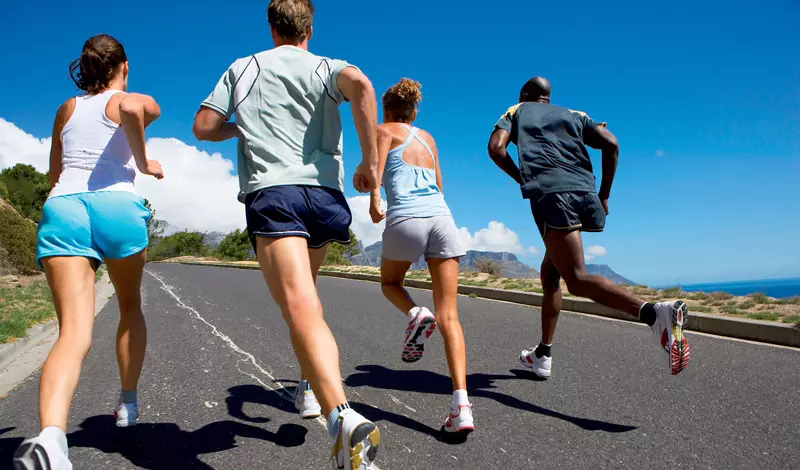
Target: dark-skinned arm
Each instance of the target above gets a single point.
(498, 145)
(599, 137)
(210, 125)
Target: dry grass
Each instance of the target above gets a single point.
(24, 302)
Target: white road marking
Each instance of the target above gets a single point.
(246, 356)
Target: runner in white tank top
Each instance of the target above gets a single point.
(92, 215)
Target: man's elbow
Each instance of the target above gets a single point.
(202, 130)
(495, 150)
(362, 87)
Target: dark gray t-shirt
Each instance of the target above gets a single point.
(549, 140)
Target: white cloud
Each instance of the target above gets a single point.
(366, 231)
(17, 146)
(659, 153)
(198, 191)
(594, 251)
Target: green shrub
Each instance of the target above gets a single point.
(760, 298)
(795, 300)
(771, 316)
(720, 295)
(699, 296)
(25, 189)
(671, 290)
(795, 319)
(18, 239)
(180, 244)
(341, 255)
(701, 308)
(235, 246)
(731, 310)
(488, 266)
(747, 304)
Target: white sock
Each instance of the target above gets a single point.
(459, 399)
(55, 436)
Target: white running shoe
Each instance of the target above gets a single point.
(668, 330)
(461, 421)
(33, 455)
(540, 366)
(362, 437)
(306, 402)
(419, 329)
(126, 414)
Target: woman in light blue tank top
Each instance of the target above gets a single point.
(419, 226)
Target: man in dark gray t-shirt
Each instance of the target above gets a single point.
(555, 173)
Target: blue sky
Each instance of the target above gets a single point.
(703, 96)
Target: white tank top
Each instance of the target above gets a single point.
(96, 155)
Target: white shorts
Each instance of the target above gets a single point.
(408, 238)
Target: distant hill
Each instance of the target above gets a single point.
(510, 265)
(213, 239)
(608, 273)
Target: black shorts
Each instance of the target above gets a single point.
(319, 214)
(568, 212)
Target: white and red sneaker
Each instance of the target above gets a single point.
(419, 329)
(668, 330)
(540, 366)
(461, 421)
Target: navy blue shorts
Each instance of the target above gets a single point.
(567, 212)
(319, 214)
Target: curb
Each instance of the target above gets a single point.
(38, 333)
(752, 330)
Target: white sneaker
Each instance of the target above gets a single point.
(362, 437)
(32, 454)
(126, 414)
(540, 366)
(306, 402)
(461, 421)
(668, 331)
(419, 329)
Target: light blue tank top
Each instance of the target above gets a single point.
(411, 191)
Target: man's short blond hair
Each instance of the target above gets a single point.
(291, 19)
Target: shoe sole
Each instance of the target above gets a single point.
(679, 352)
(541, 373)
(31, 456)
(364, 442)
(311, 414)
(414, 348)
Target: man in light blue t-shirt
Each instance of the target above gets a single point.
(286, 103)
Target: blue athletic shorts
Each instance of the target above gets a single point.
(319, 214)
(96, 225)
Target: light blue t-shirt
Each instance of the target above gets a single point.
(286, 102)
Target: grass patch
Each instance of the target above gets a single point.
(473, 296)
(790, 301)
(23, 307)
(720, 296)
(760, 298)
(671, 290)
(747, 304)
(99, 273)
(793, 319)
(701, 308)
(771, 316)
(701, 296)
(732, 310)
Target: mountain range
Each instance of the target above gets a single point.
(510, 265)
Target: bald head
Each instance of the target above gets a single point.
(536, 89)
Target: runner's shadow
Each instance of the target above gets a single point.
(243, 394)
(479, 385)
(162, 446)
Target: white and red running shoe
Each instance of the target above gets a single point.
(539, 365)
(668, 330)
(460, 422)
(419, 329)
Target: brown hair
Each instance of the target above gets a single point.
(291, 19)
(99, 61)
(402, 99)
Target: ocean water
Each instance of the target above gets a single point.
(778, 288)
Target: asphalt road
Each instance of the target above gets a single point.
(219, 368)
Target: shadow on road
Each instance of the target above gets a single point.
(162, 446)
(7, 447)
(479, 385)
